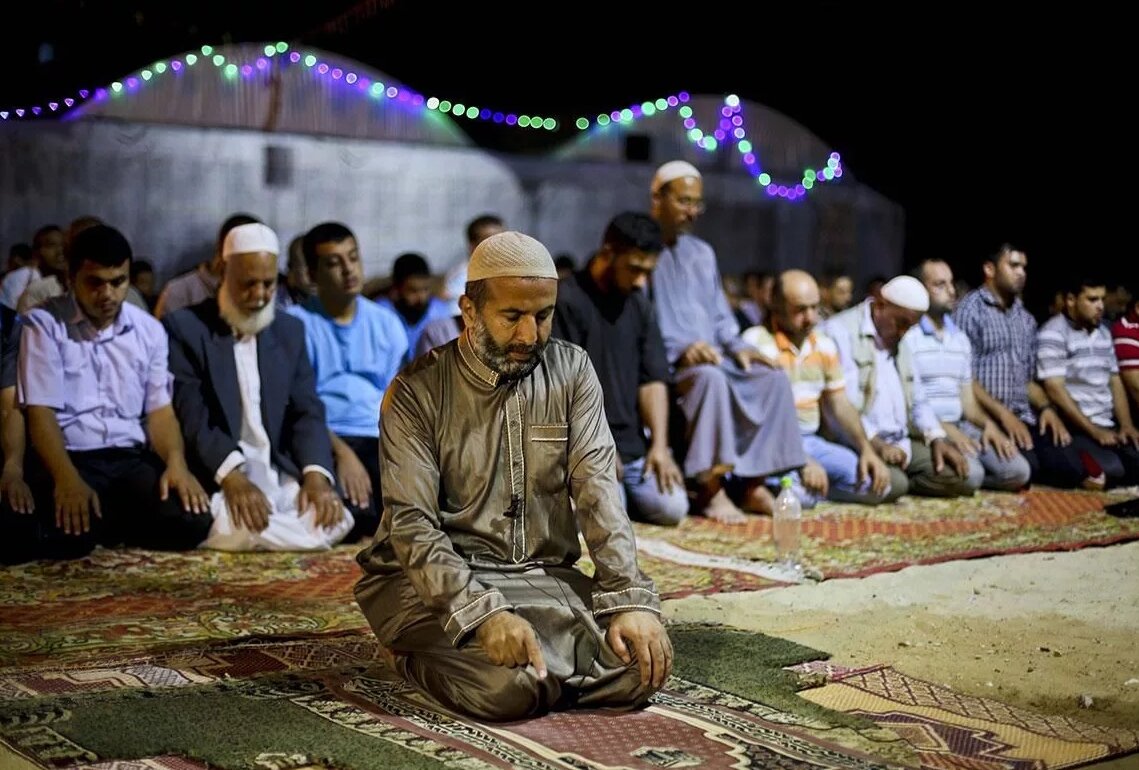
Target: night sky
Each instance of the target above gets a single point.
(986, 124)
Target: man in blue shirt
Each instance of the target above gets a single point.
(356, 347)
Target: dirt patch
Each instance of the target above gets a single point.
(1042, 631)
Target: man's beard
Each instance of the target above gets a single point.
(246, 324)
(497, 357)
(411, 313)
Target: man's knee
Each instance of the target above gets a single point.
(703, 379)
(488, 692)
(656, 507)
(1011, 475)
(975, 476)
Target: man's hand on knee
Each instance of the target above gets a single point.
(642, 631)
(510, 641)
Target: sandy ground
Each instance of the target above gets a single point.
(1034, 630)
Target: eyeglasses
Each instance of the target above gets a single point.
(692, 204)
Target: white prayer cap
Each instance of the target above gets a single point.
(250, 239)
(511, 255)
(674, 169)
(907, 292)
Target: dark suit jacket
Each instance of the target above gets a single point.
(208, 402)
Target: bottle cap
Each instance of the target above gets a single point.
(786, 482)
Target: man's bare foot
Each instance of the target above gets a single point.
(704, 486)
(721, 508)
(757, 499)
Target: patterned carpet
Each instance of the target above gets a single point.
(854, 541)
(122, 602)
(324, 701)
(942, 725)
(130, 660)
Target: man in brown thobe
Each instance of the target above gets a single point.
(495, 453)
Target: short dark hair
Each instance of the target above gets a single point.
(633, 231)
(43, 232)
(325, 232)
(481, 221)
(477, 292)
(1075, 284)
(140, 266)
(409, 265)
(20, 251)
(831, 275)
(234, 220)
(564, 262)
(101, 244)
(1003, 250)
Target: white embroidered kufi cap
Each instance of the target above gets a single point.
(511, 255)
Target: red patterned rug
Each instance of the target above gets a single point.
(325, 702)
(119, 602)
(855, 541)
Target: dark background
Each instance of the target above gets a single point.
(987, 124)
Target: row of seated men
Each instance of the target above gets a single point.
(880, 405)
(40, 271)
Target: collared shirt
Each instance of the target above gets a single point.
(1125, 334)
(353, 362)
(813, 369)
(945, 360)
(478, 474)
(1004, 348)
(101, 384)
(690, 301)
(1086, 362)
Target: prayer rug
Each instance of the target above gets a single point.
(945, 727)
(327, 701)
(855, 541)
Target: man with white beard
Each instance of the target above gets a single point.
(245, 394)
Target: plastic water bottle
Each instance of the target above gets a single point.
(787, 523)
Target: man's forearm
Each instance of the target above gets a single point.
(989, 404)
(971, 409)
(1058, 394)
(12, 435)
(652, 402)
(166, 436)
(1119, 400)
(848, 419)
(47, 439)
(1038, 396)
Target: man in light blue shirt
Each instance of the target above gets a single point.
(356, 347)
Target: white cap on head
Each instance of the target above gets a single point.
(907, 292)
(674, 169)
(253, 238)
(511, 255)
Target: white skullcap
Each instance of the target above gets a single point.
(250, 239)
(907, 292)
(511, 255)
(674, 169)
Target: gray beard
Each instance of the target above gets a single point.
(249, 325)
(497, 357)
